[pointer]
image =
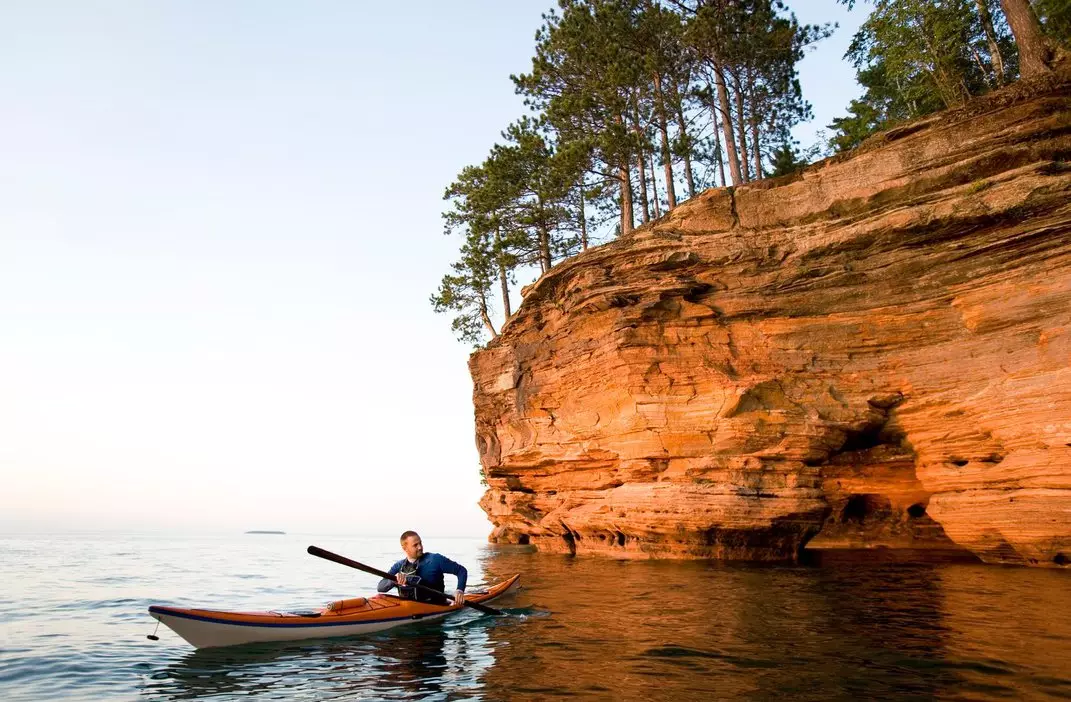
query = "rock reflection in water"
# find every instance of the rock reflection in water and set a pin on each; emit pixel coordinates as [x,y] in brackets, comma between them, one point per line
[665,629]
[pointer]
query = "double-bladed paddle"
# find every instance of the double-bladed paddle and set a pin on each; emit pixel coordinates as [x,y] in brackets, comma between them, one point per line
[317,551]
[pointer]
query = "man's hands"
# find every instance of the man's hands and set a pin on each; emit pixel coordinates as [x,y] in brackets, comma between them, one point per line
[459,595]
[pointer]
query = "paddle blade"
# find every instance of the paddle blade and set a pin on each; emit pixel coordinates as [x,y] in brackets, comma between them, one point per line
[483,608]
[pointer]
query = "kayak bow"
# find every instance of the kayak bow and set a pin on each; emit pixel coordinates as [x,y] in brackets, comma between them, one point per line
[206,628]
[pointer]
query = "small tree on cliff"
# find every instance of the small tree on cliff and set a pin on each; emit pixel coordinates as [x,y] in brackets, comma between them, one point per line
[484,210]
[480,199]
[786,159]
[466,291]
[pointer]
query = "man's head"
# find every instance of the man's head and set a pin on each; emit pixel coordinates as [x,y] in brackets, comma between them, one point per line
[412,546]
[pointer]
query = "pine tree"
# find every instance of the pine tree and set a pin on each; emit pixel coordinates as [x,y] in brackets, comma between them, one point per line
[786,159]
[582,79]
[538,179]
[621,89]
[481,211]
[467,290]
[750,49]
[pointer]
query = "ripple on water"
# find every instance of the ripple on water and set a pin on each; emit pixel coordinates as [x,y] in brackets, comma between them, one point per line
[94,605]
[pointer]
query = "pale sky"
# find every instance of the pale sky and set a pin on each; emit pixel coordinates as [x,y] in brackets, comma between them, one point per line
[219,228]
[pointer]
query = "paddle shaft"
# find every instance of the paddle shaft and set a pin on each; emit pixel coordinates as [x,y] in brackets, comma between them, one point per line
[317,551]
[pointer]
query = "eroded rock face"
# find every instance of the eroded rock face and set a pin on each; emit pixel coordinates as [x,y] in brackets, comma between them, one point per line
[876,352]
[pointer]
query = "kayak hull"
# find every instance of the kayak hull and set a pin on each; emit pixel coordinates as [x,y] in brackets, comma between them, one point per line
[211,628]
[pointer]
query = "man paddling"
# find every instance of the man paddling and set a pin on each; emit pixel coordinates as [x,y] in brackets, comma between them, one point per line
[424,568]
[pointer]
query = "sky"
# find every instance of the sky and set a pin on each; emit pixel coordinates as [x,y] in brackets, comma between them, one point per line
[220,223]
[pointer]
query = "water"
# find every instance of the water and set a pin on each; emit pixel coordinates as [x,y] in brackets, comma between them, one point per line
[73,623]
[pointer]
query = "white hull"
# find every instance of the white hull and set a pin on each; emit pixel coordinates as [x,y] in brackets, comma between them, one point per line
[209,634]
[212,628]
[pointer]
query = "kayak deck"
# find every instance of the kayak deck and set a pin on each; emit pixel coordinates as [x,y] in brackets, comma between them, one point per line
[205,628]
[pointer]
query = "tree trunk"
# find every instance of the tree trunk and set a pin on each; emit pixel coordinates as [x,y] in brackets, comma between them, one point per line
[717,138]
[503,279]
[1034,50]
[685,140]
[625,182]
[688,178]
[756,152]
[756,148]
[741,127]
[654,190]
[638,131]
[544,237]
[644,203]
[991,39]
[583,220]
[981,67]
[544,247]
[667,157]
[486,317]
[727,129]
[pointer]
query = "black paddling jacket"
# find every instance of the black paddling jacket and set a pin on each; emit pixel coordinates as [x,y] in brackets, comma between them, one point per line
[430,569]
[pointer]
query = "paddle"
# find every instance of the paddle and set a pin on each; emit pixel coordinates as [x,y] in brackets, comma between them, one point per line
[317,551]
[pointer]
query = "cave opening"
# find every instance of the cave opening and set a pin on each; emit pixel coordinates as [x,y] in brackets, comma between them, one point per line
[860,508]
[862,440]
[916,511]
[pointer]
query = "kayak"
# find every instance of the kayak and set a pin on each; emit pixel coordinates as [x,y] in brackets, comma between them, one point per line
[206,628]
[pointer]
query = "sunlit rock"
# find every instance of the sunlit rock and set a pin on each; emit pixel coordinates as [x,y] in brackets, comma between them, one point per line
[873,353]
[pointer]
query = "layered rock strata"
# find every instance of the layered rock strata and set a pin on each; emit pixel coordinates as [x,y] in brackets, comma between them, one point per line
[874,352]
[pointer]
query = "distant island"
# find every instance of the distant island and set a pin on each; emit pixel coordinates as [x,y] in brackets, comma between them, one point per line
[261,531]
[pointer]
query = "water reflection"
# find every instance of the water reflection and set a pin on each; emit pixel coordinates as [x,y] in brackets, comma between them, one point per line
[1009,631]
[658,629]
[423,661]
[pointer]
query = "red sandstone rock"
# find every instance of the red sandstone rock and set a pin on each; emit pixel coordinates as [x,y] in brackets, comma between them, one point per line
[876,352]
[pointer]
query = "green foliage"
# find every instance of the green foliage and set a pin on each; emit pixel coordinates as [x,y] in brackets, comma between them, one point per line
[755,45]
[786,159]
[617,86]
[465,292]
[1055,18]
[582,76]
[538,179]
[915,57]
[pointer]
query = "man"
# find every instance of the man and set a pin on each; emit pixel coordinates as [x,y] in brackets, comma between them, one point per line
[426,569]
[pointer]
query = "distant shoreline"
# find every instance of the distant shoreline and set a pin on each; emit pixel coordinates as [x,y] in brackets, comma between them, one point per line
[262,531]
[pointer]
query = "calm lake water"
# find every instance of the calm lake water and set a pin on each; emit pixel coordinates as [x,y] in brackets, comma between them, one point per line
[73,622]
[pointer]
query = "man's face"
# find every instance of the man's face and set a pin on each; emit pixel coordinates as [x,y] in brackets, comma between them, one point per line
[413,548]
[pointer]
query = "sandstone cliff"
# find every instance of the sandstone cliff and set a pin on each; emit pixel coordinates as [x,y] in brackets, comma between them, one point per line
[876,352]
